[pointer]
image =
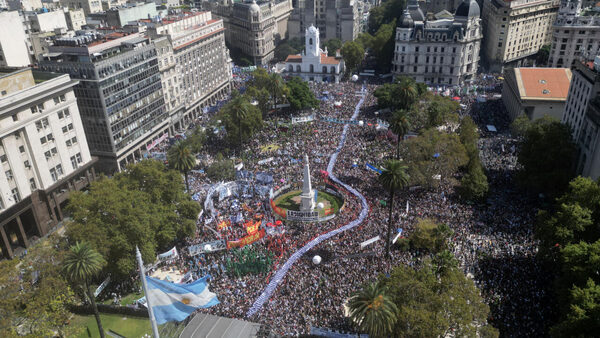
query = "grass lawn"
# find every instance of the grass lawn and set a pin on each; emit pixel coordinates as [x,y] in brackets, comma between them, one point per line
[285,201]
[130,327]
[127,300]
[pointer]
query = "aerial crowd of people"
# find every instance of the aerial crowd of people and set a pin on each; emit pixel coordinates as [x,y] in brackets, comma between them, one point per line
[493,241]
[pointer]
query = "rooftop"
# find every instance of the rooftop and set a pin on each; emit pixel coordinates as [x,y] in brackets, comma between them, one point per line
[543,83]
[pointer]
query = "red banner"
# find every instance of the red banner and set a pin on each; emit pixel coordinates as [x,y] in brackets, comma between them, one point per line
[249,239]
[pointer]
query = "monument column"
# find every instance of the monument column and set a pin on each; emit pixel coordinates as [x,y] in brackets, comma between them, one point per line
[308,195]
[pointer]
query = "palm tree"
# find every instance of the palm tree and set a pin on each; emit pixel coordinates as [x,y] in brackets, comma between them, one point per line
[394,177]
[81,264]
[181,158]
[239,112]
[407,92]
[373,311]
[399,125]
[277,86]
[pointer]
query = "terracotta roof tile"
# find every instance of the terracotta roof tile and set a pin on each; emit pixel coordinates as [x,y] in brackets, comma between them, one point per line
[294,58]
[543,83]
[328,60]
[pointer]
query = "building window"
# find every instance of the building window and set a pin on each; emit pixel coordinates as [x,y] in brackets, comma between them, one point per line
[74,140]
[9,174]
[15,117]
[73,162]
[50,137]
[59,169]
[21,149]
[3,158]
[32,184]
[53,175]
[1,204]
[37,108]
[16,196]
[27,164]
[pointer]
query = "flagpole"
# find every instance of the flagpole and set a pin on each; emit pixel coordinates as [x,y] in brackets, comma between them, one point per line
[138,255]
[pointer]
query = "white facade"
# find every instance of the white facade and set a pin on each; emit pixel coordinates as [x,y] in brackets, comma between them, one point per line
[88,6]
[514,30]
[585,86]
[24,5]
[47,22]
[75,18]
[41,135]
[201,61]
[13,41]
[335,19]
[438,52]
[576,34]
[314,64]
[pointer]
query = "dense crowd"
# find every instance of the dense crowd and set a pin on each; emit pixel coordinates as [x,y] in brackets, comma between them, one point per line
[492,241]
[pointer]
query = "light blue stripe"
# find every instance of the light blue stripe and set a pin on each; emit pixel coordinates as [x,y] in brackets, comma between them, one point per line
[196,287]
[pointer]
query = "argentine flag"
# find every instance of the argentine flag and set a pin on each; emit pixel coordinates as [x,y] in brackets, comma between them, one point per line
[175,302]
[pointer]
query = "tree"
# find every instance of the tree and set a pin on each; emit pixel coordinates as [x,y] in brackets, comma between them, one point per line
[433,153]
[181,158]
[353,54]
[474,185]
[430,236]
[437,300]
[81,265]
[221,169]
[520,125]
[240,119]
[332,46]
[441,110]
[547,155]
[583,316]
[542,56]
[145,206]
[262,96]
[300,95]
[283,50]
[278,88]
[570,241]
[373,311]
[35,295]
[382,45]
[393,178]
[399,125]
[195,140]
[405,92]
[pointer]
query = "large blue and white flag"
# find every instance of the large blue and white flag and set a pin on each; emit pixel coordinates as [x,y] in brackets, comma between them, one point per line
[175,302]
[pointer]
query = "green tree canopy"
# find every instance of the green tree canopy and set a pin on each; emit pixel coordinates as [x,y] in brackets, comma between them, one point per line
[430,236]
[547,155]
[433,153]
[393,178]
[519,126]
[332,46]
[144,206]
[353,54]
[436,300]
[181,158]
[570,241]
[300,95]
[241,119]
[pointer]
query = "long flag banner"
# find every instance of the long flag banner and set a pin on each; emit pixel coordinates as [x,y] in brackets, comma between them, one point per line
[175,302]
[248,239]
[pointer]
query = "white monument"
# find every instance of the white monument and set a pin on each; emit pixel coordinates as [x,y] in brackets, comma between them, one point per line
[308,195]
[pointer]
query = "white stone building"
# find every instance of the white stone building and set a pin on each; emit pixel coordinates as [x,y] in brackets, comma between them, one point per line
[314,64]
[202,62]
[576,34]
[43,154]
[515,29]
[254,28]
[582,114]
[88,6]
[438,52]
[585,87]
[14,51]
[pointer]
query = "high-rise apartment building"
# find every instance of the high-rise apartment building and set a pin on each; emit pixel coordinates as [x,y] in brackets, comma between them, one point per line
[443,51]
[335,19]
[515,30]
[202,62]
[43,154]
[582,114]
[253,28]
[119,93]
[576,34]
[585,87]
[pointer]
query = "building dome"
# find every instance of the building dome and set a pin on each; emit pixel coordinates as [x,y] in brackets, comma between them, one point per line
[254,8]
[406,21]
[415,11]
[468,8]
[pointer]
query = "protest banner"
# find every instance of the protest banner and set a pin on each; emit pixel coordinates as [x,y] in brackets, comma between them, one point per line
[249,239]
